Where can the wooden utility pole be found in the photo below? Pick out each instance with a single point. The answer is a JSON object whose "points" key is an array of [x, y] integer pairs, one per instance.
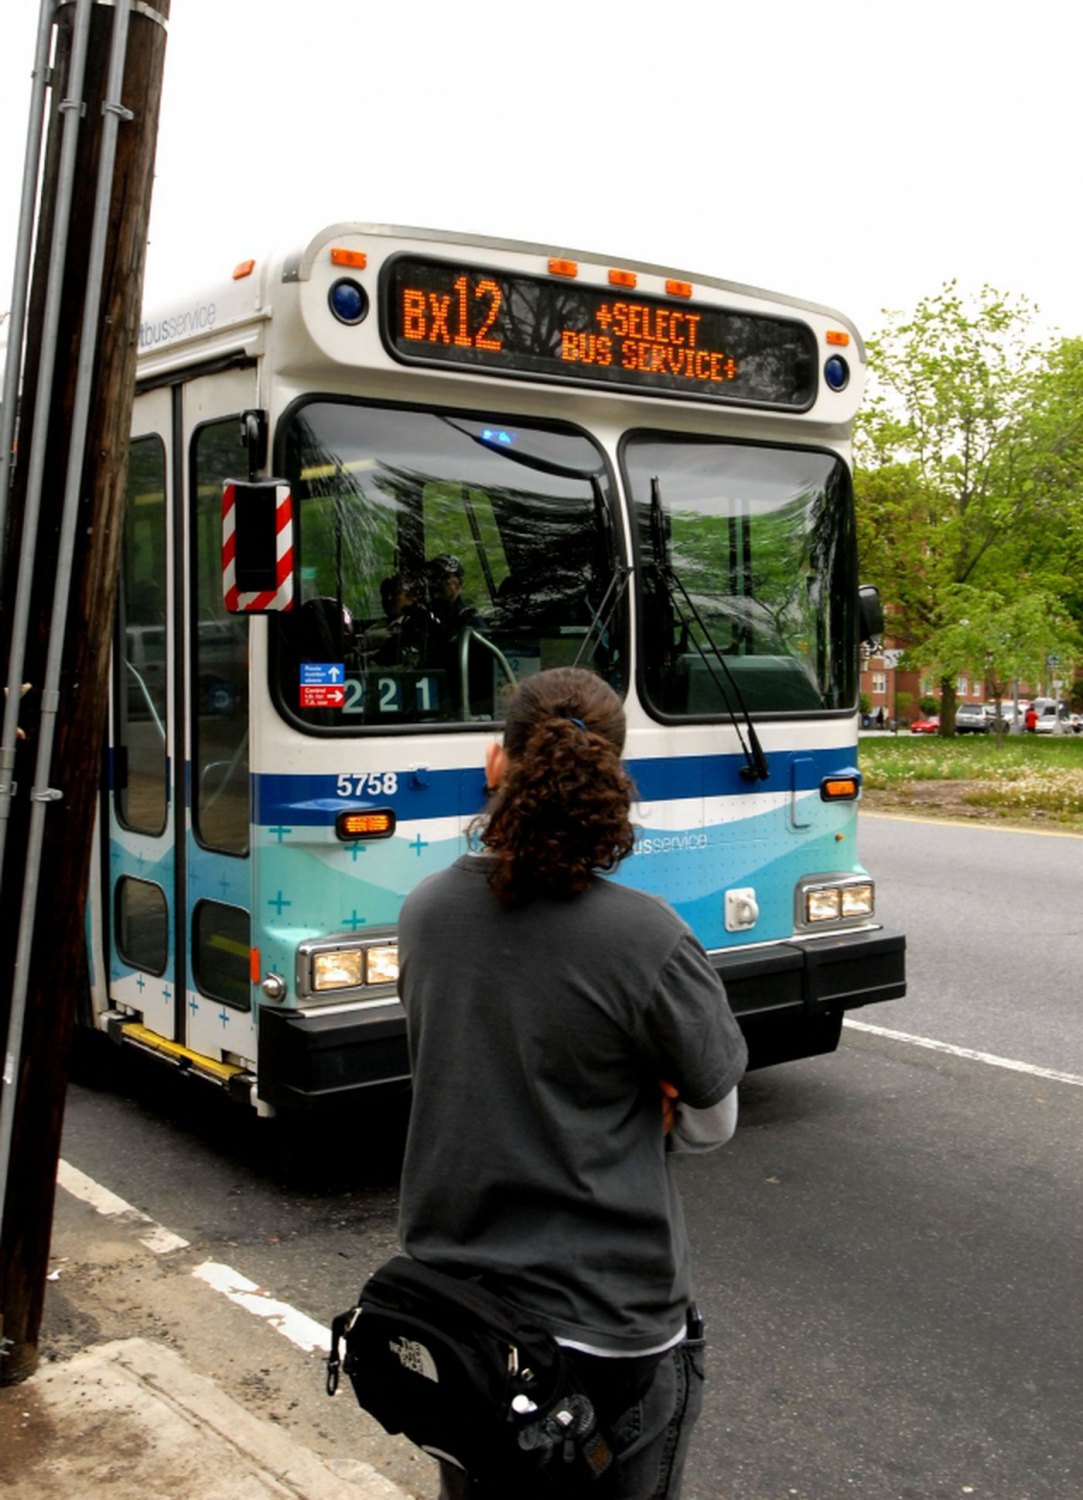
{"points": [[57, 971]]}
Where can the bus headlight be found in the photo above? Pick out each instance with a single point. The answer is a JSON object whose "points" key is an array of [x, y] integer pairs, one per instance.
{"points": [[330, 966], [840, 900], [382, 964], [342, 969], [857, 900]]}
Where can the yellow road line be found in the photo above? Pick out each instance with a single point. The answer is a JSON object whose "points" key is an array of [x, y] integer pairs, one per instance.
{"points": [[1049, 833]]}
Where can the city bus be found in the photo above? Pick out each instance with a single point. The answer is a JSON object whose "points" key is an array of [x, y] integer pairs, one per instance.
{"points": [[375, 482]]}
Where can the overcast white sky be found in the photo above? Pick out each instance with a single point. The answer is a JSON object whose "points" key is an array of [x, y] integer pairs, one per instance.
{"points": [[858, 154]]}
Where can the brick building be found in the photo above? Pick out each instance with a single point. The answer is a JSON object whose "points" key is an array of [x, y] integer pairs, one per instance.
{"points": [[897, 693]]}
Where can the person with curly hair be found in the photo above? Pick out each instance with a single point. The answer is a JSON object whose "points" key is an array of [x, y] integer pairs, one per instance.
{"points": [[567, 1034]]}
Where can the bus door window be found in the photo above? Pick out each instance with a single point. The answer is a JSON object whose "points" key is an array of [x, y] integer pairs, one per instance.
{"points": [[760, 540], [142, 925], [463, 553], [140, 698], [218, 685], [221, 938]]}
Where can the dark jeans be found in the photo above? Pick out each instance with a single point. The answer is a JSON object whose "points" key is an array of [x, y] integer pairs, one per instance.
{"points": [[647, 1407]]}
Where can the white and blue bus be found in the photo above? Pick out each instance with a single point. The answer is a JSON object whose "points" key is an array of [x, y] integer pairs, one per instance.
{"points": [[374, 483]]}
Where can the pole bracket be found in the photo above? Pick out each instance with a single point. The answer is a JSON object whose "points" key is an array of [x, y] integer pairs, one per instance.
{"points": [[47, 794]]}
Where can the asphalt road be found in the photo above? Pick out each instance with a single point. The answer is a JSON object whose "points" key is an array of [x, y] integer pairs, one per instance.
{"points": [[994, 924], [888, 1255]]}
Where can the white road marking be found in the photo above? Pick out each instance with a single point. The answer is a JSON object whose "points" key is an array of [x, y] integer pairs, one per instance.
{"points": [[989, 1058], [303, 1331], [79, 1185]]}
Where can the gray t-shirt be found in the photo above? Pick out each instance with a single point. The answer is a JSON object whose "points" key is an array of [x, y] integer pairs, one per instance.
{"points": [[535, 1153]]}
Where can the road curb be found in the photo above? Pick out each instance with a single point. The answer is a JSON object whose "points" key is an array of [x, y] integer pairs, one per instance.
{"points": [[132, 1421]]}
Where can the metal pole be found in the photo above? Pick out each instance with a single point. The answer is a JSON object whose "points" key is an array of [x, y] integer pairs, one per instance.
{"points": [[41, 794], [23, 246], [73, 107]]}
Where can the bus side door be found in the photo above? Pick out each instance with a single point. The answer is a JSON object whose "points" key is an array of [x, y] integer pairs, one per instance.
{"points": [[139, 904], [220, 1015], [178, 865]]}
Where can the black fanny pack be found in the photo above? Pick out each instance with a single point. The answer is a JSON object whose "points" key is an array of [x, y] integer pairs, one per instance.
{"points": [[470, 1379]]}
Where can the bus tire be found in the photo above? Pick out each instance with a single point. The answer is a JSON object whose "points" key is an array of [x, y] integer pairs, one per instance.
{"points": [[97, 1062]]}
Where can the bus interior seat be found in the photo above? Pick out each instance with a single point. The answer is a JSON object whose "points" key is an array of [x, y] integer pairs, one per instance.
{"points": [[768, 684]]}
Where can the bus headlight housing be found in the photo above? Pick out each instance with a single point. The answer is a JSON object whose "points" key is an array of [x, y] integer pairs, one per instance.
{"points": [[846, 899], [347, 966]]}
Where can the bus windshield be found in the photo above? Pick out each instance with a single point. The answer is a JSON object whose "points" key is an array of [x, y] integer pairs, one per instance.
{"points": [[746, 552], [442, 558]]}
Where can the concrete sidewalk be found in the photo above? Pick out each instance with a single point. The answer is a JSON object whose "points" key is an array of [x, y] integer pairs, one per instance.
{"points": [[129, 1420]]}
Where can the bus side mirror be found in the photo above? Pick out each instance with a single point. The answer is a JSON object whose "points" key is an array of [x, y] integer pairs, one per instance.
{"points": [[870, 612], [257, 546]]}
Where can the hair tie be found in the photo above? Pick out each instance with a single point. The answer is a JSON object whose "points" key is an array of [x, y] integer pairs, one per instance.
{"points": [[577, 722]]}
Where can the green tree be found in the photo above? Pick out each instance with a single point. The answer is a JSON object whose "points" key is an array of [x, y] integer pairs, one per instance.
{"points": [[949, 468], [1053, 458], [1007, 639]]}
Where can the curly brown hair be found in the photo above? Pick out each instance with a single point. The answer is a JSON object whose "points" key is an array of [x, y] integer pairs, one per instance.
{"points": [[561, 811]]}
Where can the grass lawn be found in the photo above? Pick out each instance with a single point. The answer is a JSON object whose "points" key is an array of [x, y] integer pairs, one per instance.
{"points": [[1025, 777]]}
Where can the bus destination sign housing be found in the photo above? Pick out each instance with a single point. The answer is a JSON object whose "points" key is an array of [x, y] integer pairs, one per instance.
{"points": [[447, 313]]}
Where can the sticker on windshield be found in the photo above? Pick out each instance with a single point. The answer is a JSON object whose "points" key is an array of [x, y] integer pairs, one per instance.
{"points": [[322, 684]]}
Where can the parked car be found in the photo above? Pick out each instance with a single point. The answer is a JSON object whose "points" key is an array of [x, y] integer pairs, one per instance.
{"points": [[1076, 721], [1048, 715], [972, 718], [926, 726]]}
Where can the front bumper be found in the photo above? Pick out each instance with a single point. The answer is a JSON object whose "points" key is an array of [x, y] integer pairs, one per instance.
{"points": [[808, 976], [310, 1059], [788, 997]]}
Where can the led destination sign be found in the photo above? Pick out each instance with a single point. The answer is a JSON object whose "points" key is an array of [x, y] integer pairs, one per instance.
{"points": [[440, 312]]}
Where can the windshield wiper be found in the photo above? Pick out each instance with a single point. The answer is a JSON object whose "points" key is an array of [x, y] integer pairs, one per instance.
{"points": [[755, 767]]}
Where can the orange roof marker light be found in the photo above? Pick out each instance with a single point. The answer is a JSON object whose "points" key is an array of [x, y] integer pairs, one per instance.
{"points": [[563, 267], [623, 278], [356, 259], [837, 337], [678, 289], [245, 268]]}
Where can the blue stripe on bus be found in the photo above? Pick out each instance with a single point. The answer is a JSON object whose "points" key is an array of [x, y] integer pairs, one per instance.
{"points": [[314, 800]]}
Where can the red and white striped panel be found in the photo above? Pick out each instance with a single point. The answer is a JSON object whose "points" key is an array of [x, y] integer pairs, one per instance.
{"points": [[281, 596]]}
